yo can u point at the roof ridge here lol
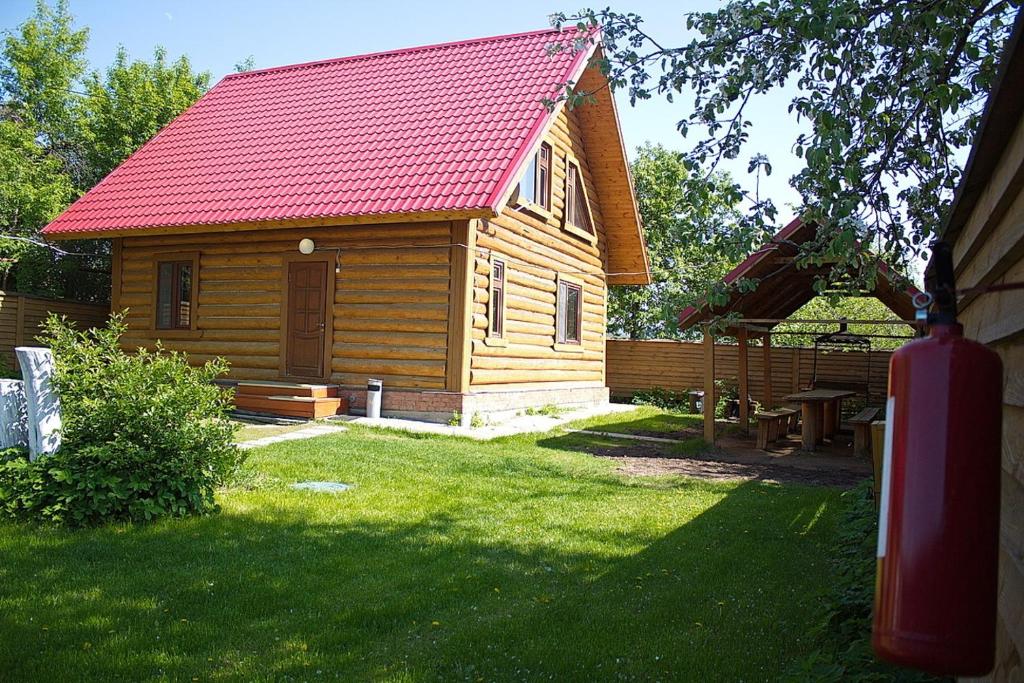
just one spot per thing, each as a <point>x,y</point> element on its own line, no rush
<point>403,50</point>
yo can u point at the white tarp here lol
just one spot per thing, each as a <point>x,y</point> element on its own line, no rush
<point>41,400</point>
<point>13,416</point>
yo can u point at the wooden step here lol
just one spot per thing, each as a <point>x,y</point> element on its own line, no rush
<point>308,407</point>
<point>286,389</point>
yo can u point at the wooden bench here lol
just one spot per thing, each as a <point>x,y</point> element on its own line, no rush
<point>861,423</point>
<point>767,428</point>
<point>772,425</point>
<point>792,418</point>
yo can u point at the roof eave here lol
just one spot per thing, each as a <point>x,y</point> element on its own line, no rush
<point>643,278</point>
<point>294,223</point>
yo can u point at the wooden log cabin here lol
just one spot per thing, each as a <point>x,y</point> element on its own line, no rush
<point>457,236</point>
<point>986,230</point>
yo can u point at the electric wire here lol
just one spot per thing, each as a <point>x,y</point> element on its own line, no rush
<point>486,251</point>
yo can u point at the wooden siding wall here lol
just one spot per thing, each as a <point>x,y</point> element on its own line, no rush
<point>536,250</point>
<point>390,303</point>
<point>609,166</point>
<point>679,366</point>
<point>989,250</point>
<point>22,314</point>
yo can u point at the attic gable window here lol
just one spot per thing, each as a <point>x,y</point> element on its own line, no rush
<point>577,219</point>
<point>535,185</point>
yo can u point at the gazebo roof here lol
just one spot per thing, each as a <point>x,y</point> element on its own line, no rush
<point>789,287</point>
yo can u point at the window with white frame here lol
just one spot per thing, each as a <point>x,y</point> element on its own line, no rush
<point>535,185</point>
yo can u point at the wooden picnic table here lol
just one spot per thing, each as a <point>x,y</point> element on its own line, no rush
<point>820,410</point>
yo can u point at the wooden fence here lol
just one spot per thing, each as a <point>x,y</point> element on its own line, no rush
<point>22,314</point>
<point>679,366</point>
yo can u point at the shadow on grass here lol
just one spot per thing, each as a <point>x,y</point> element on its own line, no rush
<point>694,457</point>
<point>274,595</point>
<point>601,441</point>
<point>664,425</point>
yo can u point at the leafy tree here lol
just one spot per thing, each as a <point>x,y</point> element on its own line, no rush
<point>33,190</point>
<point>40,145</point>
<point>61,132</point>
<point>891,92</point>
<point>40,158</point>
<point>247,64</point>
<point>42,63</point>
<point>131,103</point>
<point>851,308</point>
<point>688,224</point>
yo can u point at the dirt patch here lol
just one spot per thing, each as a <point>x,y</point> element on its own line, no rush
<point>678,435</point>
<point>719,470</point>
<point>648,460</point>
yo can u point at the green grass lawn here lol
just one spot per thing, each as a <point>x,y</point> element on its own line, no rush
<point>644,420</point>
<point>647,421</point>
<point>518,559</point>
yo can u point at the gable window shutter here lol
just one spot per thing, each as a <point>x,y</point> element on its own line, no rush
<point>570,194</point>
<point>581,216</point>
<point>577,213</point>
<point>544,176</point>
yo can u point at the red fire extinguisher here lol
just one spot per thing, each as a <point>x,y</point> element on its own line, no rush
<point>935,592</point>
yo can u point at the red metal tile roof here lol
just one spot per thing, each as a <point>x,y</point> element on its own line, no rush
<point>440,128</point>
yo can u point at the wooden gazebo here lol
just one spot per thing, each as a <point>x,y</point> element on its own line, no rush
<point>784,288</point>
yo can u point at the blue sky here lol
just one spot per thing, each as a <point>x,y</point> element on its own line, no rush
<point>217,34</point>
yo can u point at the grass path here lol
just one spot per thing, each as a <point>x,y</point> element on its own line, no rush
<point>517,559</point>
<point>248,431</point>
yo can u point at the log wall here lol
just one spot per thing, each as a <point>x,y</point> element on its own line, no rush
<point>390,304</point>
<point>679,366</point>
<point>22,314</point>
<point>536,249</point>
<point>398,299</point>
<point>990,250</point>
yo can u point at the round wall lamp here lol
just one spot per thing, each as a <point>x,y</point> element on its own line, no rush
<point>306,246</point>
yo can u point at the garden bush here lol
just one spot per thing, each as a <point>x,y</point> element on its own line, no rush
<point>6,371</point>
<point>665,399</point>
<point>843,637</point>
<point>144,435</point>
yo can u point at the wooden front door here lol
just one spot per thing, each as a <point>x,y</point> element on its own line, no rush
<point>306,329</point>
